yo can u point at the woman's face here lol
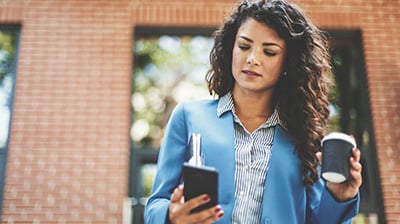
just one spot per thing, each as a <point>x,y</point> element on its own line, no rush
<point>258,58</point>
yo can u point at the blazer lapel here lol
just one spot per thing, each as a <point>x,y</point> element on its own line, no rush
<point>217,144</point>
<point>283,188</point>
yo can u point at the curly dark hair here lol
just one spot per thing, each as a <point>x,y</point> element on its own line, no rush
<point>301,96</point>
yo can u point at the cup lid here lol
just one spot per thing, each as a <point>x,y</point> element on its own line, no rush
<point>340,136</point>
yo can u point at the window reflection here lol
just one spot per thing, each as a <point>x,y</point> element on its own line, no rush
<point>8,41</point>
<point>168,70</point>
<point>5,110</point>
<point>148,172</point>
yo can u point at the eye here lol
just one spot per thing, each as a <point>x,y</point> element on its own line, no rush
<point>269,52</point>
<point>244,46</point>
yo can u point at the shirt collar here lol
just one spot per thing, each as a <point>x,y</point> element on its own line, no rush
<point>225,104</point>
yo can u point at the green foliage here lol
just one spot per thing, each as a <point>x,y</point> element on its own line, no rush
<point>167,69</point>
<point>334,97</point>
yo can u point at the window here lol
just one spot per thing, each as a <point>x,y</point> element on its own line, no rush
<point>351,113</point>
<point>8,57</point>
<point>169,66</point>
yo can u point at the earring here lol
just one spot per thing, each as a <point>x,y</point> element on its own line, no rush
<point>284,73</point>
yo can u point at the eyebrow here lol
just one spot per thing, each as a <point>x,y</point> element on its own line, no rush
<point>264,44</point>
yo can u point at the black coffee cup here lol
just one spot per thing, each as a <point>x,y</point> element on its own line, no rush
<point>336,152</point>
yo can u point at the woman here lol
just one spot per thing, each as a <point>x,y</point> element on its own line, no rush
<point>269,68</point>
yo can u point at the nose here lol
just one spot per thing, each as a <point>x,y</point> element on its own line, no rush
<point>253,58</point>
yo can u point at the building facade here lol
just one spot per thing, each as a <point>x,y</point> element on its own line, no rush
<point>67,158</point>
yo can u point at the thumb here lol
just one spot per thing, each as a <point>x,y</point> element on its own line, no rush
<point>319,157</point>
<point>177,194</point>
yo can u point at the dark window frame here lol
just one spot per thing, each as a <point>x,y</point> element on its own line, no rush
<point>350,41</point>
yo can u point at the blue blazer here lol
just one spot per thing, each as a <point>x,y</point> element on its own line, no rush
<point>285,199</point>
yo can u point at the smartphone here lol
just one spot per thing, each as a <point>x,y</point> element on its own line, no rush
<point>200,180</point>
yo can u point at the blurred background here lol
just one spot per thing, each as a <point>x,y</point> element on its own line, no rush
<point>86,89</point>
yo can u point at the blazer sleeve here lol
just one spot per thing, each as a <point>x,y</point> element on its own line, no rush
<point>323,208</point>
<point>168,177</point>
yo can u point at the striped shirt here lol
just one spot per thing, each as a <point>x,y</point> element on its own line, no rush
<point>252,154</point>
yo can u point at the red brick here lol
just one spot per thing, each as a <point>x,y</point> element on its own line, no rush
<point>73,91</point>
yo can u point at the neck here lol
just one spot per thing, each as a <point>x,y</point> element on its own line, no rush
<point>252,104</point>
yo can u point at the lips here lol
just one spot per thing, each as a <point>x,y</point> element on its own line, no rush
<point>249,73</point>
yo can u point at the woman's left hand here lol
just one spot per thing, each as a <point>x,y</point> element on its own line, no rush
<point>348,189</point>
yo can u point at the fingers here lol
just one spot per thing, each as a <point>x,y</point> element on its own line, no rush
<point>356,168</point>
<point>355,160</point>
<point>209,215</point>
<point>175,208</point>
<point>356,154</point>
<point>196,202</point>
<point>180,211</point>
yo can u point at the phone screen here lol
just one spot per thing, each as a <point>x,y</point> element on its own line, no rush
<point>200,180</point>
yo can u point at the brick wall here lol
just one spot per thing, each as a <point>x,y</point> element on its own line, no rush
<point>68,153</point>
<point>69,144</point>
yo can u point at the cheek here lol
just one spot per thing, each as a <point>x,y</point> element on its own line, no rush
<point>236,61</point>
<point>281,67</point>
<point>276,65</point>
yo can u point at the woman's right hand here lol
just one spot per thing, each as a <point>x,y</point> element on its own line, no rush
<point>179,211</point>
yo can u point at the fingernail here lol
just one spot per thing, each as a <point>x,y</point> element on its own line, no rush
<point>220,215</point>
<point>217,209</point>
<point>206,198</point>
